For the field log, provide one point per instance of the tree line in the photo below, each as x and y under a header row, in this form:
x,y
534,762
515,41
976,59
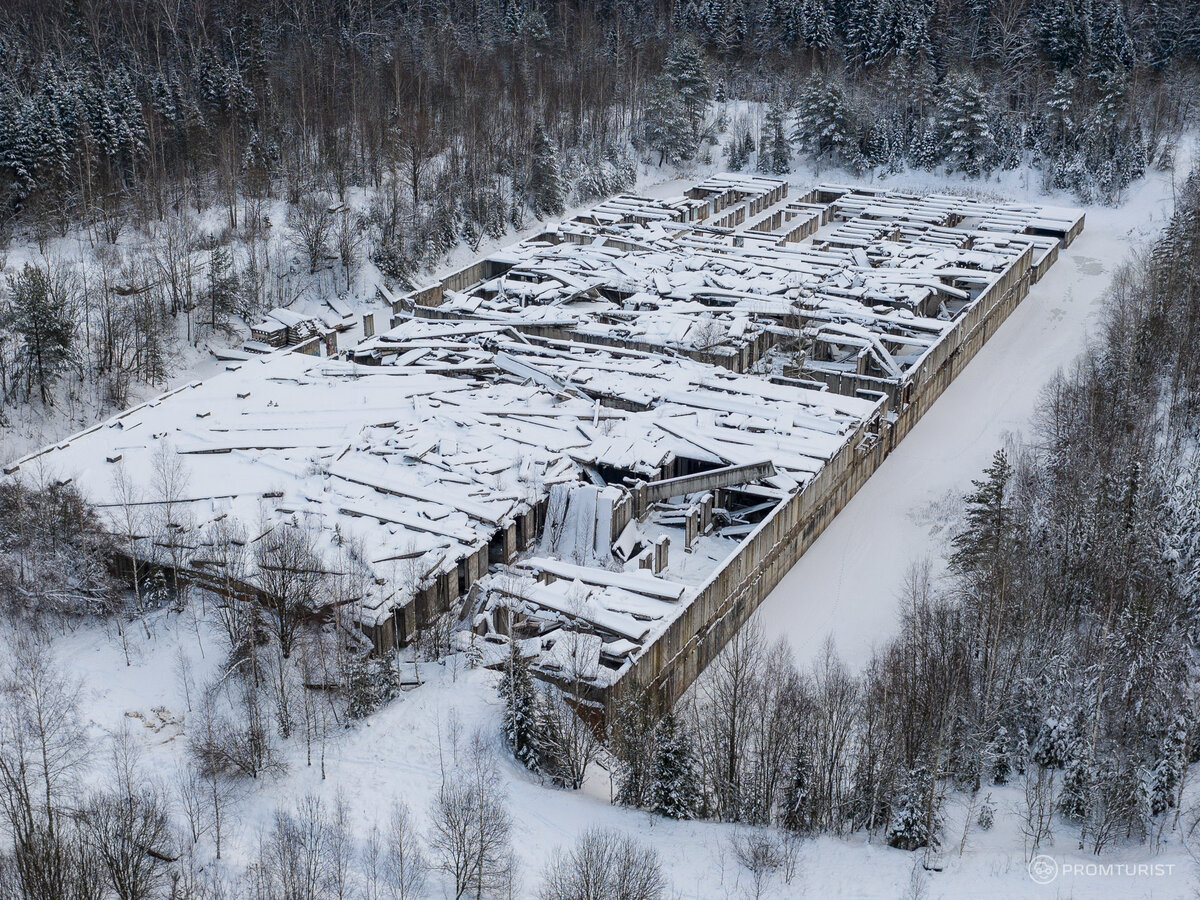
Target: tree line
x,y
448,108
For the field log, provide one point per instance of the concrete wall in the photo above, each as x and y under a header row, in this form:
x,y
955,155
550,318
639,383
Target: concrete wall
x,y
672,663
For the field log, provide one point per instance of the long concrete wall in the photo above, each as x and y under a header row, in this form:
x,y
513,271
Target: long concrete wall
x,y
670,665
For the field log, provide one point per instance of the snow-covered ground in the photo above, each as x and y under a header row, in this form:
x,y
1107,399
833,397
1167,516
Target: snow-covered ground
x,y
399,753
845,586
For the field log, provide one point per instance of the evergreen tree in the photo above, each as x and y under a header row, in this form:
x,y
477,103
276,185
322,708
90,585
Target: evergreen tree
x,y
1167,772
963,120
915,821
736,155
826,125
632,738
777,158
1055,744
666,127
520,707
796,815
1062,31
675,790
1109,47
686,72
984,543
222,288
43,328
545,181
371,683
815,25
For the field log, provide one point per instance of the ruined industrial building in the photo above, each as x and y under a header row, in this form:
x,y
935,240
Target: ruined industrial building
x,y
609,441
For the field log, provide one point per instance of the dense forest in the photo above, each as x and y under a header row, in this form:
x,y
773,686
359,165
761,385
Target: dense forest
x,y
181,167
108,109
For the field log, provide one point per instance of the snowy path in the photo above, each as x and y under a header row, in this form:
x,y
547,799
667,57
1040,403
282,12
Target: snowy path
x,y
846,585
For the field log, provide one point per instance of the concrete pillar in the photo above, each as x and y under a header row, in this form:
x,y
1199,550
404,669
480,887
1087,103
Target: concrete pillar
x,y
510,542
662,549
691,527
706,513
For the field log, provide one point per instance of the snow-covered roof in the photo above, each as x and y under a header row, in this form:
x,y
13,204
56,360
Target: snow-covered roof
x,y
419,463
872,279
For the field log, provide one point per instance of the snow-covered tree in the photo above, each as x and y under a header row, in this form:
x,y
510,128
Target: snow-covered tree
x,y
37,314
964,122
546,188
666,126
915,820
675,791
686,71
776,157
826,125
520,707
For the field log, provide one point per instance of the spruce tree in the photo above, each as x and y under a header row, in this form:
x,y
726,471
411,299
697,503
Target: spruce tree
x,y
222,288
665,124
545,180
675,791
686,71
915,820
985,541
43,328
632,739
777,158
826,125
963,119
796,812
520,707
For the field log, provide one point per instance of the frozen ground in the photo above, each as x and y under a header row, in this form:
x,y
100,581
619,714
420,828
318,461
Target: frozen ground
x,y
399,754
845,587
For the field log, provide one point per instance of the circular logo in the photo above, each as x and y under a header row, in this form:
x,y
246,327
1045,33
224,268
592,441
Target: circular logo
x,y
1043,869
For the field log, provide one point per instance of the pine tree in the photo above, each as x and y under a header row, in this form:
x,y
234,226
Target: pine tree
x,y
520,707
665,124
736,155
963,120
1074,799
675,791
914,824
816,25
777,158
222,288
687,74
826,124
632,738
796,814
545,180
985,540
1167,773
1055,744
370,683
1110,48
1062,31
43,328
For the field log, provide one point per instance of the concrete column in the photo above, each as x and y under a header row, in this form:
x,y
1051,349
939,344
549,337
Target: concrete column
x,y
662,549
691,527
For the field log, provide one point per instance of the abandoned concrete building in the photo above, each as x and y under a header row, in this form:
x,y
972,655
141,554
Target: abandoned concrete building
x,y
609,441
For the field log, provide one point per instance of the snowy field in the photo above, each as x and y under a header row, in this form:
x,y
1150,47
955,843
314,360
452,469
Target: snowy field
x,y
399,754
844,587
